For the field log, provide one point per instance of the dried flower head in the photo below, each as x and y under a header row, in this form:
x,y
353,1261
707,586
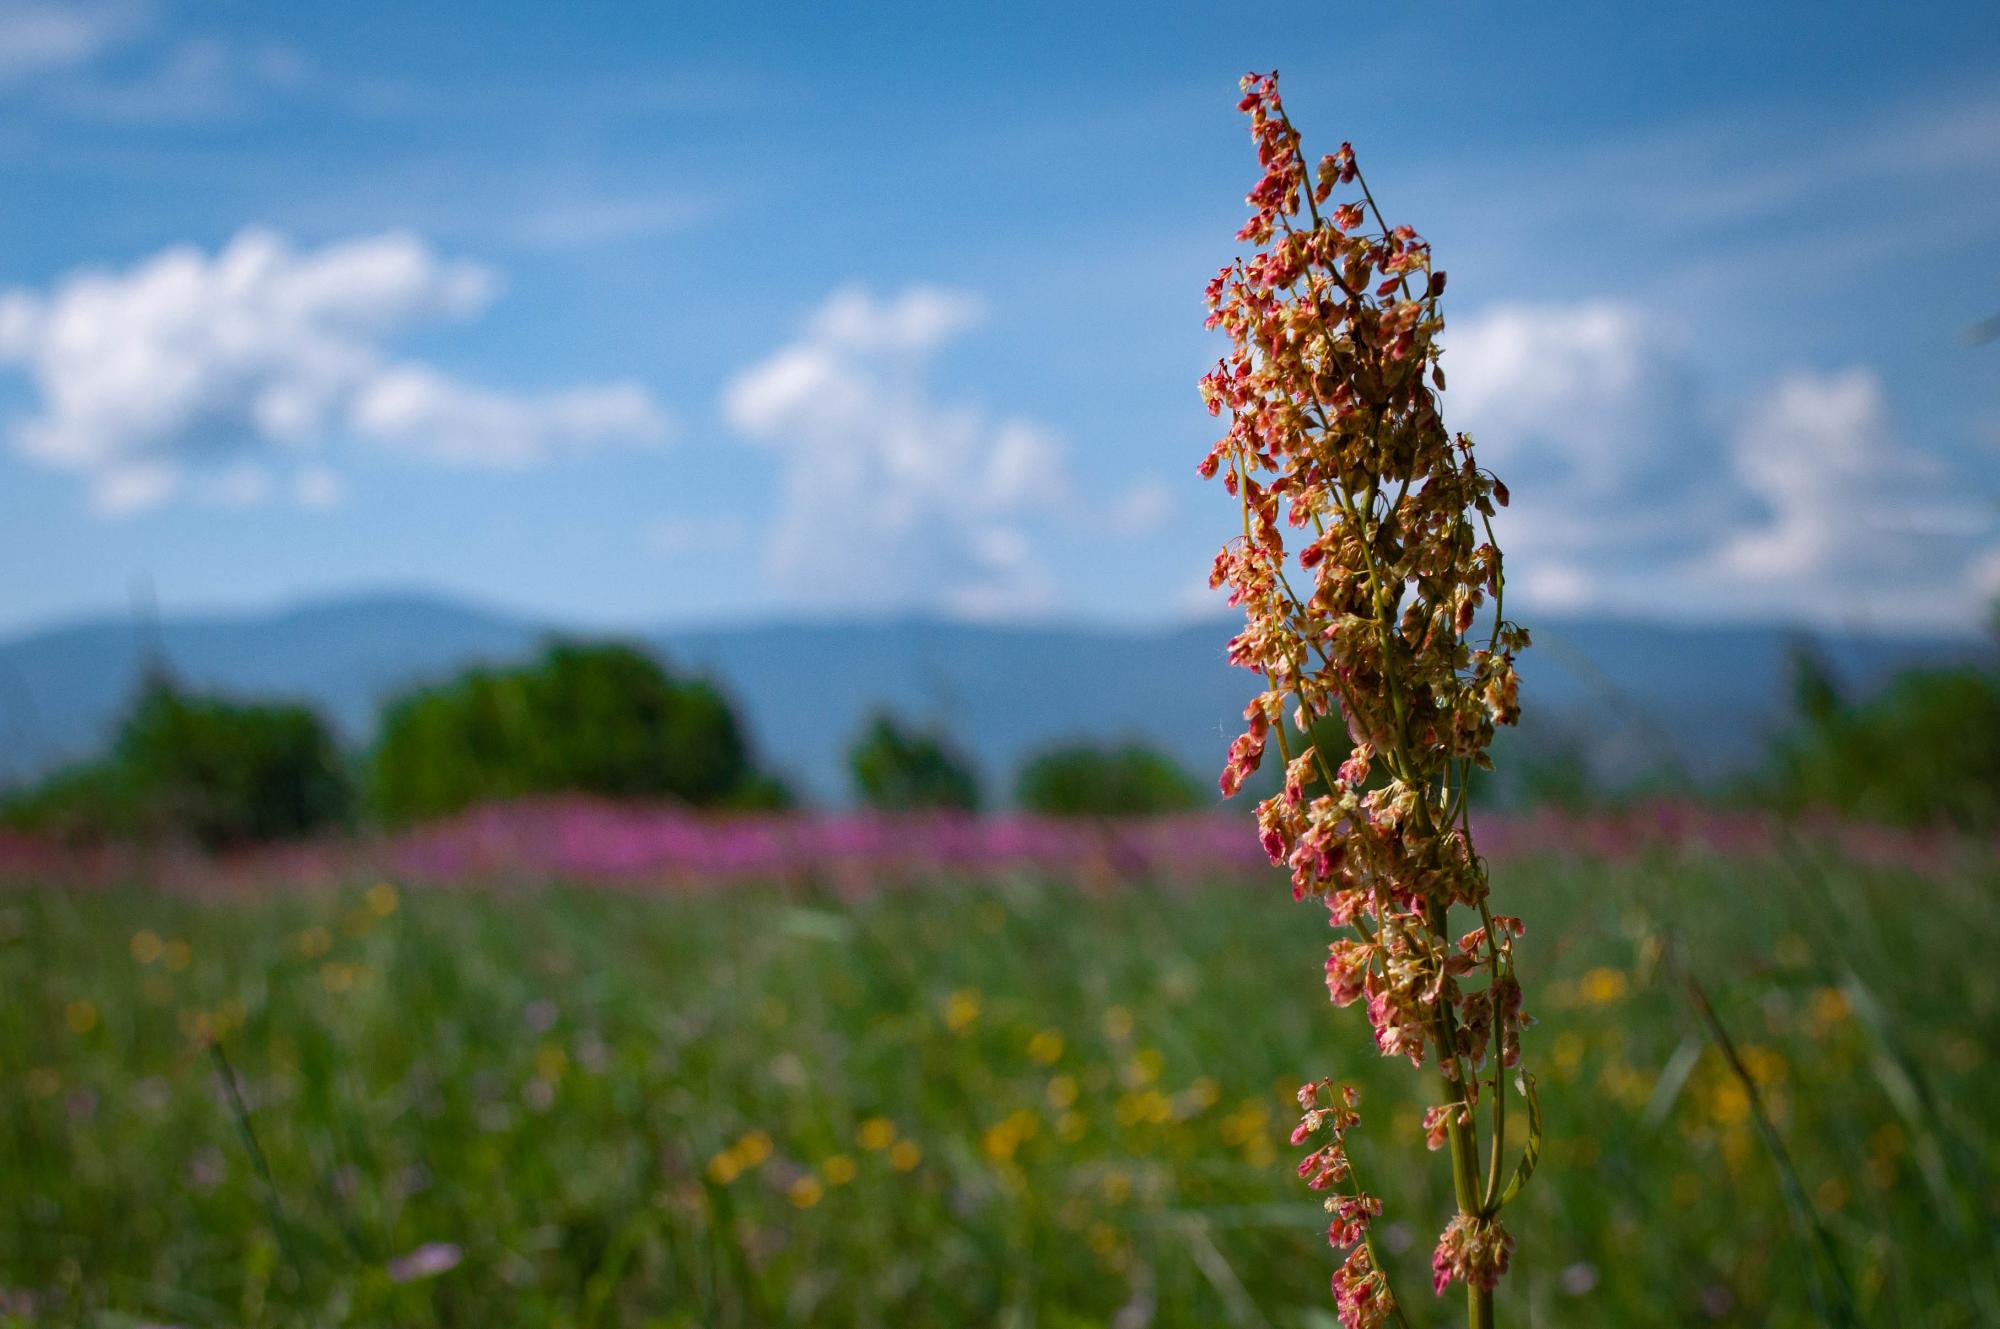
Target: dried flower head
x,y
1371,586
1472,1250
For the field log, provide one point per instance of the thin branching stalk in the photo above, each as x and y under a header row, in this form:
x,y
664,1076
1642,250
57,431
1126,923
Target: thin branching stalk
x,y
1803,1215
274,1206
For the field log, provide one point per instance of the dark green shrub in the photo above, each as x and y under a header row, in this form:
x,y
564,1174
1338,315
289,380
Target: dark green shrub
x,y
898,768
1081,780
586,718
90,801
762,792
215,771
1926,749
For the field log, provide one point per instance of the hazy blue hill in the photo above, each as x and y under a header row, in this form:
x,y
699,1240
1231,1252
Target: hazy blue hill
x,y
1639,696
62,690
1004,691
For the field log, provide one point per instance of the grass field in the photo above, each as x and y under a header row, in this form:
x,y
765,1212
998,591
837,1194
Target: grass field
x,y
1007,1101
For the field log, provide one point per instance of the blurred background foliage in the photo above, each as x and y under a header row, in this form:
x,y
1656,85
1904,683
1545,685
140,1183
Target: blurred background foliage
x,y
208,769
605,719
1924,750
1088,780
898,767
611,720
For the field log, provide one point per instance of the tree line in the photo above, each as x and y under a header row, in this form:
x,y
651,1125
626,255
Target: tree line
x,y
612,720
606,719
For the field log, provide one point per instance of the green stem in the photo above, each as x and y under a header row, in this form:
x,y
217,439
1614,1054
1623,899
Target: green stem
x,y
1458,1135
1490,1202
1465,1184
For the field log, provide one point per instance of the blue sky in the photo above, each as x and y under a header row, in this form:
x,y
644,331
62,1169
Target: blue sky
x,y
627,314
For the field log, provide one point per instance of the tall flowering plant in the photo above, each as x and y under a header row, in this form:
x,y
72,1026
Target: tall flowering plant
x,y
1365,560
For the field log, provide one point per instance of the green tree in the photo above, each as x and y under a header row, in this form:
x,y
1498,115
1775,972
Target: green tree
x,y
591,718
899,768
89,801
216,771
1084,780
1925,749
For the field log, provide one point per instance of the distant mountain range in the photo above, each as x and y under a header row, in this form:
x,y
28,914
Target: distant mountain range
x,y
1635,698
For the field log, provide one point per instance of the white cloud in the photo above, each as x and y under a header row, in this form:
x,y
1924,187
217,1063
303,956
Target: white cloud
x,y
37,37
579,223
1983,576
89,59
1634,492
424,413
242,484
917,322
887,494
192,359
317,487
1819,450
118,491
1859,525
1598,428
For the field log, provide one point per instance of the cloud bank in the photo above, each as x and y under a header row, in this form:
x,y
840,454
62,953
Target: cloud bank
x,y
1635,491
264,353
888,494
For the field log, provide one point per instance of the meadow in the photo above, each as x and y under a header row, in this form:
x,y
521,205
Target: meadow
x,y
1003,1096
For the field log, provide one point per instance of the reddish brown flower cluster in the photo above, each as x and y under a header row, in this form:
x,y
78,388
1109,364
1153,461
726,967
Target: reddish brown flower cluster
x,y
1364,568
1474,1251
1360,1291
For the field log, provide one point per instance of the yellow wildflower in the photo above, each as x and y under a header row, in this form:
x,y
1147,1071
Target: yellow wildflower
x,y
1603,986
961,1009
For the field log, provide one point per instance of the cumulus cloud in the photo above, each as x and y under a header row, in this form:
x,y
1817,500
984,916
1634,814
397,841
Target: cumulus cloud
x,y
428,414
888,494
1857,524
1600,431
196,360
1636,490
